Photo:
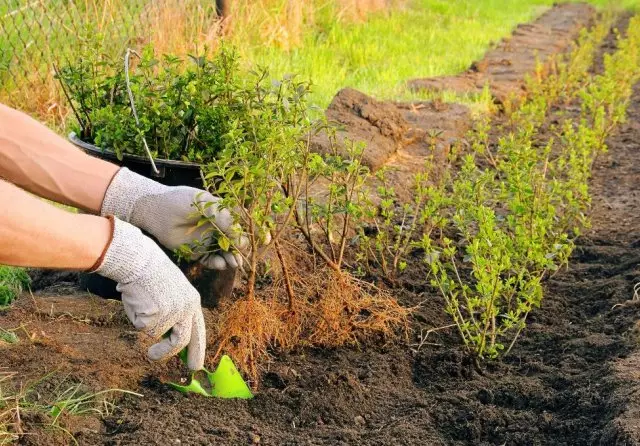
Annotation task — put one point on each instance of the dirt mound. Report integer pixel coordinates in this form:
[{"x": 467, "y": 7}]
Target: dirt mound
[
  {"x": 434, "y": 128},
  {"x": 361, "y": 118},
  {"x": 505, "y": 68},
  {"x": 399, "y": 136}
]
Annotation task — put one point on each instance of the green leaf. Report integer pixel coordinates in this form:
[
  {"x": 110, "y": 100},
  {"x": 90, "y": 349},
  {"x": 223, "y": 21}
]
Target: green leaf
[{"x": 224, "y": 243}]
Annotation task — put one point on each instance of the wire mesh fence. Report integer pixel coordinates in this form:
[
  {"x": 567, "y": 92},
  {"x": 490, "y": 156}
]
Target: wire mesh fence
[
  {"x": 35, "y": 35},
  {"x": 38, "y": 33}
]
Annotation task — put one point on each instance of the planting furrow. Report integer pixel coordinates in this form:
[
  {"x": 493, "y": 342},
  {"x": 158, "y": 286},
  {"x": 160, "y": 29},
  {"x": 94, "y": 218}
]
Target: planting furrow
[{"x": 505, "y": 68}]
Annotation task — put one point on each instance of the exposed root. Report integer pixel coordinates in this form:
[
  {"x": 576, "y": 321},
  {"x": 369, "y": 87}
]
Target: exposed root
[
  {"x": 245, "y": 330},
  {"x": 349, "y": 311},
  {"x": 330, "y": 310}
]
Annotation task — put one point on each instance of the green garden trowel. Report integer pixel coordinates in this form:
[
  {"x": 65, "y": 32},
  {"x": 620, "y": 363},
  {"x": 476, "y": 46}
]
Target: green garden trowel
[{"x": 225, "y": 382}]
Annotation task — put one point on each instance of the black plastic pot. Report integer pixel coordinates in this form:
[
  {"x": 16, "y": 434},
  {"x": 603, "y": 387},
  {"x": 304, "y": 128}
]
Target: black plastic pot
[{"x": 211, "y": 284}]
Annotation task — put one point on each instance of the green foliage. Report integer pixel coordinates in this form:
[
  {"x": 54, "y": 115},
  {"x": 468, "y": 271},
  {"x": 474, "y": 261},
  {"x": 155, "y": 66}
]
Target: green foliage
[
  {"x": 514, "y": 223},
  {"x": 186, "y": 108},
  {"x": 345, "y": 205},
  {"x": 12, "y": 282},
  {"x": 393, "y": 224},
  {"x": 262, "y": 163}
]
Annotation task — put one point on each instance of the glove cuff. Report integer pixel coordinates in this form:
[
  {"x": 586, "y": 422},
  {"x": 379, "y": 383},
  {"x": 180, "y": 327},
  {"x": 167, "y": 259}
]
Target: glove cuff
[
  {"x": 96, "y": 265},
  {"x": 127, "y": 254},
  {"x": 125, "y": 190}
]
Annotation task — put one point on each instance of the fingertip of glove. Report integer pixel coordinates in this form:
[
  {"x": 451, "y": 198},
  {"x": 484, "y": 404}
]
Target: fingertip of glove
[
  {"x": 158, "y": 352},
  {"x": 230, "y": 259},
  {"x": 198, "y": 343},
  {"x": 195, "y": 365},
  {"x": 214, "y": 262},
  {"x": 239, "y": 260},
  {"x": 170, "y": 346}
]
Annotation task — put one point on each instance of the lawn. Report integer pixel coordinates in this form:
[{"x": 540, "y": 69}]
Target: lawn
[{"x": 430, "y": 37}]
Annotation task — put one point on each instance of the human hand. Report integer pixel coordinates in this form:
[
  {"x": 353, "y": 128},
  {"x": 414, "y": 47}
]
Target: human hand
[
  {"x": 156, "y": 296},
  {"x": 171, "y": 215}
]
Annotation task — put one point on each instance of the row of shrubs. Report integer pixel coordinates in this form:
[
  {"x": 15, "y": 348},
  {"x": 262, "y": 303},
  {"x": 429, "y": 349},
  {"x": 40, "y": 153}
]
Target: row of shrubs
[{"x": 516, "y": 221}]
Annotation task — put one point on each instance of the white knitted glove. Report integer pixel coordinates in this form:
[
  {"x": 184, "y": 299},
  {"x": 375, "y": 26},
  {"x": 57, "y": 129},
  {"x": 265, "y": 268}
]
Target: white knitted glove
[
  {"x": 170, "y": 215},
  {"x": 156, "y": 296}
]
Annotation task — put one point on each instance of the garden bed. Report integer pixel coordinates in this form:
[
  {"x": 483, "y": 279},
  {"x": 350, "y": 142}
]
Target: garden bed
[{"x": 571, "y": 379}]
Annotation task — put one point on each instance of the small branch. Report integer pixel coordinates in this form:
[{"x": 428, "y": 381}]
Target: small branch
[
  {"x": 285, "y": 272},
  {"x": 424, "y": 336}
]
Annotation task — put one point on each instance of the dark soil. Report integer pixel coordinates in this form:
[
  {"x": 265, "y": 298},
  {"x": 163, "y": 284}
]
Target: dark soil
[
  {"x": 505, "y": 68},
  {"x": 572, "y": 379}
]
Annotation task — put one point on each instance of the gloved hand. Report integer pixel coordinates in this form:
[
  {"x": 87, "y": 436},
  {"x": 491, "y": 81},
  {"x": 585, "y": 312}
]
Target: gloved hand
[
  {"x": 170, "y": 215},
  {"x": 156, "y": 296}
]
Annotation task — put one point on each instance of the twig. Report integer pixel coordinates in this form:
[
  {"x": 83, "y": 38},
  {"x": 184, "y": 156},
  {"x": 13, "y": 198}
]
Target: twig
[
  {"x": 66, "y": 94},
  {"x": 285, "y": 272},
  {"x": 424, "y": 336},
  {"x": 133, "y": 107}
]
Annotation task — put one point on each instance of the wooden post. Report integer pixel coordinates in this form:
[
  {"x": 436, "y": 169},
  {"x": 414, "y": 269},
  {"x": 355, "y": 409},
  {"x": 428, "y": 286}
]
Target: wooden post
[{"x": 223, "y": 8}]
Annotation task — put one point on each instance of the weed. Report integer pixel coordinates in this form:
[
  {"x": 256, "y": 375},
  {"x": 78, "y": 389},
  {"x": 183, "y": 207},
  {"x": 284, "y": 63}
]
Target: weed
[
  {"x": 21, "y": 405},
  {"x": 12, "y": 282}
]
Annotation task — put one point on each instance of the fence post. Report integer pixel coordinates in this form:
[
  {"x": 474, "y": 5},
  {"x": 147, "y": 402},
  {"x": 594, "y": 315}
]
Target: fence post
[{"x": 223, "y": 9}]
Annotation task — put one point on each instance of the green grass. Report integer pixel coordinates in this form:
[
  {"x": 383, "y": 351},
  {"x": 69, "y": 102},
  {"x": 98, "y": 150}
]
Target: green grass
[
  {"x": 12, "y": 282},
  {"x": 47, "y": 405},
  {"x": 425, "y": 38}
]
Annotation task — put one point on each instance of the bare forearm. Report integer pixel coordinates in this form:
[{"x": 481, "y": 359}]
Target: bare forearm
[
  {"x": 37, "y": 234},
  {"x": 38, "y": 160}
]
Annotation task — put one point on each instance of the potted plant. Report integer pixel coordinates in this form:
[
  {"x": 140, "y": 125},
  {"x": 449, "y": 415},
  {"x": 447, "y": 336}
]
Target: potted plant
[{"x": 162, "y": 117}]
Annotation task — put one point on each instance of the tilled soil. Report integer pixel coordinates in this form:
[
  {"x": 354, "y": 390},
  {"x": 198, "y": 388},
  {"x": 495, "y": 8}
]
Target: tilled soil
[
  {"x": 572, "y": 379},
  {"x": 504, "y": 69}
]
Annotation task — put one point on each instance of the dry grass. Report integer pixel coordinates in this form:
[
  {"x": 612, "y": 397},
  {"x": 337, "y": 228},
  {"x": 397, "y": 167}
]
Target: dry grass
[
  {"x": 171, "y": 26},
  {"x": 41, "y": 98},
  {"x": 360, "y": 9},
  {"x": 181, "y": 26},
  {"x": 283, "y": 22},
  {"x": 46, "y": 410}
]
